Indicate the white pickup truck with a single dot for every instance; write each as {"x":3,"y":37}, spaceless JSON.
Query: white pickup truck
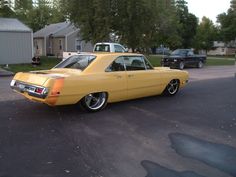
{"x":101,"y":47}
{"x":109,"y":47}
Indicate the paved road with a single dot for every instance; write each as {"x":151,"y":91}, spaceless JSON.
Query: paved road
{"x":212,"y":72}
{"x":192,"y":134}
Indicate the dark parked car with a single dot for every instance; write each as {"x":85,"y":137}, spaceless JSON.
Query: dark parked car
{"x":181,"y":58}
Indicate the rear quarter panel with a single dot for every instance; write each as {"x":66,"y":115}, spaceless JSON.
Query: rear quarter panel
{"x":170,"y":74}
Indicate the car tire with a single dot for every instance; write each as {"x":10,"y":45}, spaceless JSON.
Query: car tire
{"x":181,"y":65}
{"x":172,"y":88}
{"x":200,"y":64}
{"x":94,"y":102}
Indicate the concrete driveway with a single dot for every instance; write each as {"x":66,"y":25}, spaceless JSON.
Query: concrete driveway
{"x":190,"y":135}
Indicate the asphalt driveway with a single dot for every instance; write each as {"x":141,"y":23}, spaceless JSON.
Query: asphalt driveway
{"x":190,"y":135}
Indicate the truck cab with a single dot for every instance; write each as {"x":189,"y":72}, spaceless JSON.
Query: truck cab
{"x":109,"y":47}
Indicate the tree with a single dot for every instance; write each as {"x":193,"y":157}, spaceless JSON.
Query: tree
{"x":188,"y":22}
{"x":134,"y":19}
{"x":6,"y":9}
{"x":227,"y":23}
{"x":22,"y":9}
{"x":233,"y":4}
{"x":43,"y":12}
{"x":168,"y":24}
{"x":92,"y":17}
{"x":206,"y":34}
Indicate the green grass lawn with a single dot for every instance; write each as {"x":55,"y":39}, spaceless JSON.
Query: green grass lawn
{"x":49,"y":62}
{"x":155,"y":60}
{"x":46,"y":63}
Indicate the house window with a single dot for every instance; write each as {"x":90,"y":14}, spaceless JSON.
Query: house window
{"x":78,"y":45}
{"x":223,"y":50}
{"x":36,"y":45}
{"x":60,"y":44}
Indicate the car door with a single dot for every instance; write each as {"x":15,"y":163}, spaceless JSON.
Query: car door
{"x":142,"y":79}
{"x":190,"y":58}
{"x":116,"y":80}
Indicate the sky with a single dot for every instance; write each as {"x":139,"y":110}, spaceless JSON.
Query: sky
{"x":208,"y":8}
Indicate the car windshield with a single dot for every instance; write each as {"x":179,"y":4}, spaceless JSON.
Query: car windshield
{"x":179,"y":52}
{"x":76,"y":62}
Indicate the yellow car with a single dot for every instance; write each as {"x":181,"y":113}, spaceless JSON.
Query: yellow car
{"x":95,"y":79}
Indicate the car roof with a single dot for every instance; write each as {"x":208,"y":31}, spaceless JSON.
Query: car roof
{"x":107,"y":43}
{"x":103,"y":60}
{"x":113,"y":54}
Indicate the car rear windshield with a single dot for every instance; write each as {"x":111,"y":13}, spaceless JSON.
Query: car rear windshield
{"x":102,"y":48}
{"x":80,"y":62}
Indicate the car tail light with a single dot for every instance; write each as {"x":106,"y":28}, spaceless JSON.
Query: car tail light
{"x":39,"y":90}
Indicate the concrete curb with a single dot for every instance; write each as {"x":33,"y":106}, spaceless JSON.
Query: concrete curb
{"x":4,"y":73}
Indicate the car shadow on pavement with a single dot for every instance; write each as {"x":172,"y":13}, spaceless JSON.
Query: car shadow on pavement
{"x":220,"y":156}
{"x":156,"y":170}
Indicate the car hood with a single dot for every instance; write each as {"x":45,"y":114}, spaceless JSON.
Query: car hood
{"x":40,"y":77}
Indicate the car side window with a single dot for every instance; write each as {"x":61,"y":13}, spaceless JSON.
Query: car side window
{"x":148,"y":65}
{"x":117,"y":65}
{"x":118,"y":48}
{"x":133,"y":63}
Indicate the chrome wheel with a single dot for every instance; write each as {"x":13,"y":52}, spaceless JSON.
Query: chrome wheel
{"x":200,"y":64}
{"x":181,"y":65}
{"x":94,"y":101}
{"x":172,"y":88}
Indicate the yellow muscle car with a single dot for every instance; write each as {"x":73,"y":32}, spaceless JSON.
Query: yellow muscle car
{"x":95,"y":79}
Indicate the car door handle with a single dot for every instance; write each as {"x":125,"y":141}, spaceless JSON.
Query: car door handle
{"x":118,"y":76}
{"x":130,"y":75}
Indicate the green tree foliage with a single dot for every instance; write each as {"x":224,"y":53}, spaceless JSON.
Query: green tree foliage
{"x":228,"y":23}
{"x":6,"y":9}
{"x":188,"y":22}
{"x":45,"y":12}
{"x":136,"y":23}
{"x":34,"y":13}
{"x":167,"y":24}
{"x":206,"y":34}
{"x":93,"y":18}
{"x":22,"y":9}
{"x":233,"y":4}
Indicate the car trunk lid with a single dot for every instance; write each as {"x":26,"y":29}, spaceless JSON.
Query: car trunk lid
{"x":40,"y":77}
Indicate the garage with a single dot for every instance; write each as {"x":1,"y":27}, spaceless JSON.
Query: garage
{"x":16,"y":42}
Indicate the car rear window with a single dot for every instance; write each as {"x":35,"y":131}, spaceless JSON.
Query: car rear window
{"x":80,"y":62}
{"x":102,"y":48}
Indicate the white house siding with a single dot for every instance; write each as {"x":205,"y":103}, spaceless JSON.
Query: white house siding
{"x":39,"y":47}
{"x":58,"y":46}
{"x":71,"y":44}
{"x":218,"y":51}
{"x":15,"y":47}
{"x":222,"y":51}
{"x":87,"y":46}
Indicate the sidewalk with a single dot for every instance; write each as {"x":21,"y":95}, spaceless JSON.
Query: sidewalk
{"x":4,"y":73}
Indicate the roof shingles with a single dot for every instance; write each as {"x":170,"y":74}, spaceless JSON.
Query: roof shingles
{"x":51,"y":29}
{"x":13,"y":25}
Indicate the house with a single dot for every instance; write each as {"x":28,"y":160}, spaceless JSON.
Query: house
{"x":16,"y":42}
{"x":221,"y":48}
{"x":57,"y":38}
